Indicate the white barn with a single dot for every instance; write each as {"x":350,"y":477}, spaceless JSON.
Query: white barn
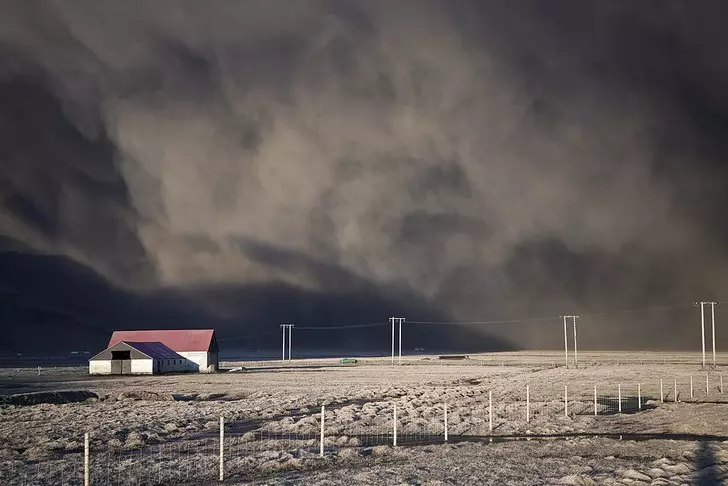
{"x":196,"y":347}
{"x":137,"y":358}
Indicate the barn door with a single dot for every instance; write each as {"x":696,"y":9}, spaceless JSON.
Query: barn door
{"x":115,"y":366}
{"x":121,"y":362}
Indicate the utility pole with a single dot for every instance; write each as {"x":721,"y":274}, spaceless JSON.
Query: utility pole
{"x":566,"y":341}
{"x":702,"y":328}
{"x":401,"y":320}
{"x":712,"y":316}
{"x":576,"y":354}
{"x":576,"y":351}
{"x":566,"y":345}
{"x":394,"y":321}
{"x":391,"y":319}
{"x":285,"y":327}
{"x":702,"y":325}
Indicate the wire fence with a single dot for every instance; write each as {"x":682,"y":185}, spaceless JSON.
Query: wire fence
{"x":248,"y":450}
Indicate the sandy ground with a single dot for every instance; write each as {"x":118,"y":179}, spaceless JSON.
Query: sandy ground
{"x":272,"y":416}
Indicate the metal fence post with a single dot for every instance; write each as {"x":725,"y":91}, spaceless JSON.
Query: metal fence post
{"x":595,"y":400}
{"x":662,"y":392}
{"x":528,"y":403}
{"x":692,"y":394}
{"x":222,"y":449}
{"x":566,"y":401}
{"x":490,"y":410}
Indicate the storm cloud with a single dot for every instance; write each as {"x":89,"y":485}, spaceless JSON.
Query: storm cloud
{"x":486,"y":159}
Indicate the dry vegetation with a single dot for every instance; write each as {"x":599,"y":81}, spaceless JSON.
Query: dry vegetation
{"x":272,"y":417}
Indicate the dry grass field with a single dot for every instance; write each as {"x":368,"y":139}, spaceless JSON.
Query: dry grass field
{"x":272,"y":416}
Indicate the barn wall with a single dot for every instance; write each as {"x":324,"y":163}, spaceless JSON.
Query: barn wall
{"x":198,"y":359}
{"x":141,"y":366}
{"x":99,"y":367}
{"x":212,"y":362}
{"x":173,"y":365}
{"x":107,"y":353}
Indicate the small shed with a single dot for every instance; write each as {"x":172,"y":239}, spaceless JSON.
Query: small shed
{"x":135,"y":358}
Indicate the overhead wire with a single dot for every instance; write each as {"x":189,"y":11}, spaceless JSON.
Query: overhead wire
{"x":246,"y":336}
{"x":352,"y":326}
{"x":502,"y":321}
{"x":305,"y":328}
{"x":465,"y":323}
{"x":550,"y":318}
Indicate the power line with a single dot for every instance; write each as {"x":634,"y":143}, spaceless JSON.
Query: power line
{"x":634,"y":311}
{"x":466,"y":323}
{"x":246,"y":336}
{"x":352,"y":326}
{"x":305,"y":328}
{"x":552,"y":318}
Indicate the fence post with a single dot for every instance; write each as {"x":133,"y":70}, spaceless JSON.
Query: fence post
{"x":85,"y":460}
{"x":595,"y":400}
{"x":321,"y":446}
{"x":662,"y":392}
{"x":692,"y":394}
{"x":675,"y":390}
{"x":528,"y":403}
{"x":566,"y":401}
{"x":222,"y":449}
{"x":445,"y":421}
{"x":490,"y":411}
{"x":639,"y":396}
{"x":619,"y":395}
{"x":394,"y":440}
{"x":707,"y":385}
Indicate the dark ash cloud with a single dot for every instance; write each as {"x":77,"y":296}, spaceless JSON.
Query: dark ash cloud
{"x":484,"y":160}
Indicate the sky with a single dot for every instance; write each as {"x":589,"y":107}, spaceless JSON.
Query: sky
{"x":330,"y":163}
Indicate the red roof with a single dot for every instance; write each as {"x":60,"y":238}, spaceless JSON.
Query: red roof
{"x":179,"y":340}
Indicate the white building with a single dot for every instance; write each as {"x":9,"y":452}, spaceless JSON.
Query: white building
{"x":193,"y":350}
{"x":137,"y":358}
